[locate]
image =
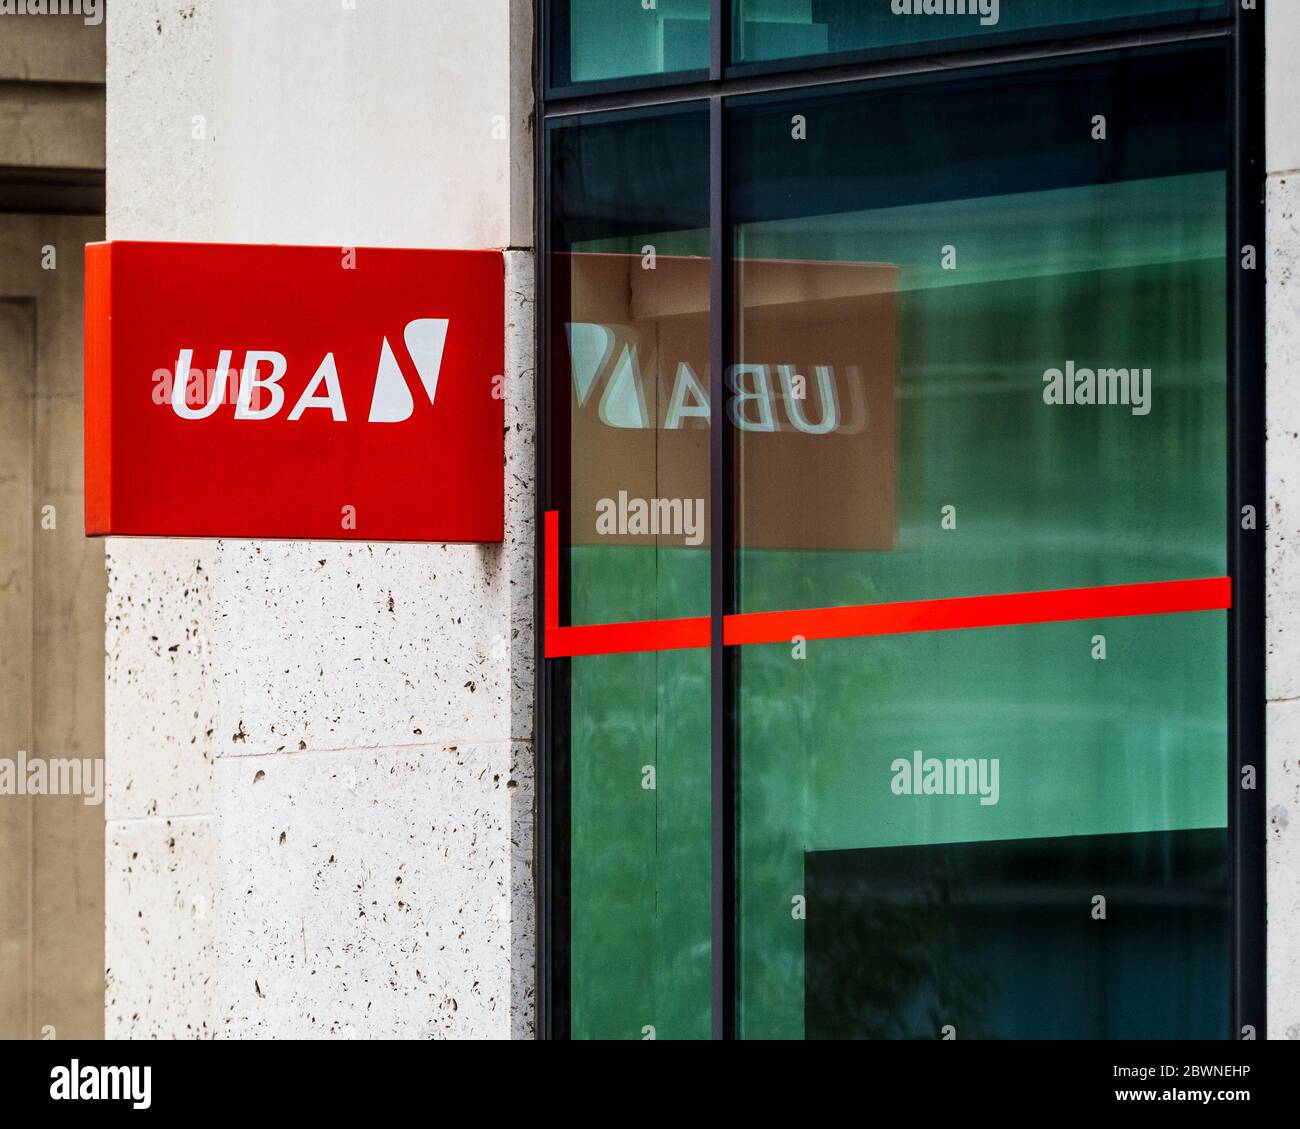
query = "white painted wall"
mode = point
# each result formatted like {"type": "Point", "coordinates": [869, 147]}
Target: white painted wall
{"type": "Point", "coordinates": [320, 754]}
{"type": "Point", "coordinates": [1283, 525]}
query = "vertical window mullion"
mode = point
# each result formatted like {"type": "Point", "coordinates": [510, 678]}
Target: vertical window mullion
{"type": "Point", "coordinates": [1248, 487]}
{"type": "Point", "coordinates": [721, 597]}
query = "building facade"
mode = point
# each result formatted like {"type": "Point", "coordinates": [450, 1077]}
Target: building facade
{"type": "Point", "coordinates": [354, 858]}
{"type": "Point", "coordinates": [624, 774]}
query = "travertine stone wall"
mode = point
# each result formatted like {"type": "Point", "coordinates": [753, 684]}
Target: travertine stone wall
{"type": "Point", "coordinates": [1283, 524]}
{"type": "Point", "coordinates": [320, 754]}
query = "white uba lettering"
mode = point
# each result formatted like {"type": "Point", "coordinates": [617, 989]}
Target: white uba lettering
{"type": "Point", "coordinates": [607, 371]}
{"type": "Point", "coordinates": [261, 394]}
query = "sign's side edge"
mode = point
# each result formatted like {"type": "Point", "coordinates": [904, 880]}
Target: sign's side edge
{"type": "Point", "coordinates": [501, 359]}
{"type": "Point", "coordinates": [98, 343]}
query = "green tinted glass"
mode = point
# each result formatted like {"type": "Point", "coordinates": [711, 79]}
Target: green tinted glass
{"type": "Point", "coordinates": [767, 30]}
{"type": "Point", "coordinates": [607, 40]}
{"type": "Point", "coordinates": [984, 353]}
{"type": "Point", "coordinates": [628, 279]}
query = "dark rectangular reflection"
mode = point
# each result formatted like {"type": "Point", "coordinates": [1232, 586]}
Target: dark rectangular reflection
{"type": "Point", "coordinates": [1002, 940]}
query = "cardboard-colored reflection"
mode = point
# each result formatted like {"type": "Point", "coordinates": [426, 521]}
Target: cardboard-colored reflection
{"type": "Point", "coordinates": [812, 399]}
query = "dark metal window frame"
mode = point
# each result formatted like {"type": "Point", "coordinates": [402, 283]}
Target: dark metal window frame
{"type": "Point", "coordinates": [557, 85]}
{"type": "Point", "coordinates": [1243, 32]}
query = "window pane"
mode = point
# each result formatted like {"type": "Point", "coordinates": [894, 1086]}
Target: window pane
{"type": "Point", "coordinates": [629, 287]}
{"type": "Point", "coordinates": [605, 40]}
{"type": "Point", "coordinates": [764, 30]}
{"type": "Point", "coordinates": [928, 820]}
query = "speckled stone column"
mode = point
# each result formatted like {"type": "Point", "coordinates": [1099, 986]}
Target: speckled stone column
{"type": "Point", "coordinates": [1283, 526]}
{"type": "Point", "coordinates": [320, 755]}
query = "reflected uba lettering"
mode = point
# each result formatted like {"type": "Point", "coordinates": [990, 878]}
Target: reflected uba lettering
{"type": "Point", "coordinates": [766, 397]}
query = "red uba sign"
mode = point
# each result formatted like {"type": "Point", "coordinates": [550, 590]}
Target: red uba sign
{"type": "Point", "coordinates": [304, 392]}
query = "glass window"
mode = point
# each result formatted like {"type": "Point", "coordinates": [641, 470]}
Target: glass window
{"type": "Point", "coordinates": [768, 30]}
{"type": "Point", "coordinates": [608, 40]}
{"type": "Point", "coordinates": [978, 357]}
{"type": "Point", "coordinates": [983, 353]}
{"type": "Point", "coordinates": [629, 293]}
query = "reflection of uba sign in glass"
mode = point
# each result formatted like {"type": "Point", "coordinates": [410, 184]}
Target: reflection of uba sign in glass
{"type": "Point", "coordinates": [308, 392]}
{"type": "Point", "coordinates": [811, 395]}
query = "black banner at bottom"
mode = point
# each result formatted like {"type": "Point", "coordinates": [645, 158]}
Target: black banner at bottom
{"type": "Point", "coordinates": [229, 1076]}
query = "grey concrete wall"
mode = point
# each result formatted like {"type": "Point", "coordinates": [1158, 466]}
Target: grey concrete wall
{"type": "Point", "coordinates": [1283, 524]}
{"type": "Point", "coordinates": [51, 578]}
{"type": "Point", "coordinates": [52, 49]}
{"type": "Point", "coordinates": [51, 638]}
{"type": "Point", "coordinates": [320, 754]}
{"type": "Point", "coordinates": [51, 93]}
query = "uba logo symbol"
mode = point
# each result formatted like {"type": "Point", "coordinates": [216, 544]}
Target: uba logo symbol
{"type": "Point", "coordinates": [362, 402]}
{"type": "Point", "coordinates": [258, 393]}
